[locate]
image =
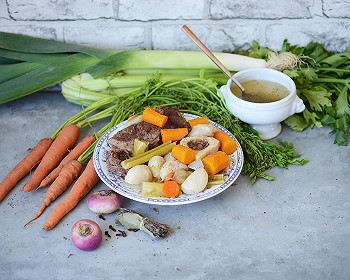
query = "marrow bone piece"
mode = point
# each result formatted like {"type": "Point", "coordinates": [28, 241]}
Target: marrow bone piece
{"type": "Point", "coordinates": [202, 145]}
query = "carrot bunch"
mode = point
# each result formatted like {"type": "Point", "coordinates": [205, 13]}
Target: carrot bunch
{"type": "Point", "coordinates": [59, 165]}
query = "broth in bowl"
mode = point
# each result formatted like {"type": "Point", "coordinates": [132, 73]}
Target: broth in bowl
{"type": "Point", "coordinates": [260, 91]}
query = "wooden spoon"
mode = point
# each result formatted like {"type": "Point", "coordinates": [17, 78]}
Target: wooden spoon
{"type": "Point", "coordinates": [194, 38]}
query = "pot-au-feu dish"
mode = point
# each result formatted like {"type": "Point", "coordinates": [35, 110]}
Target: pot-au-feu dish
{"type": "Point", "coordinates": [169, 155]}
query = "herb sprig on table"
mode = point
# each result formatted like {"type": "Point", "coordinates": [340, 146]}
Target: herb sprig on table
{"type": "Point", "coordinates": [323, 83]}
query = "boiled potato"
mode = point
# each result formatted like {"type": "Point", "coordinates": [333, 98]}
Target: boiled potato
{"type": "Point", "coordinates": [155, 164]}
{"type": "Point", "coordinates": [196, 182]}
{"type": "Point", "coordinates": [168, 157]}
{"type": "Point", "coordinates": [171, 166]}
{"type": "Point", "coordinates": [180, 176]}
{"type": "Point", "coordinates": [138, 174]}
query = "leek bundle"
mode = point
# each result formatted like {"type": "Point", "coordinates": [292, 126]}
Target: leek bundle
{"type": "Point", "coordinates": [30, 64]}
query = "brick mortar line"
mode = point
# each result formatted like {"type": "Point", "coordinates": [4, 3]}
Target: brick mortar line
{"type": "Point", "coordinates": [177, 21]}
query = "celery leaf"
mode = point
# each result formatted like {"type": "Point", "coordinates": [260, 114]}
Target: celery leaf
{"type": "Point", "coordinates": [342, 104]}
{"type": "Point", "coordinates": [318, 97]}
{"type": "Point", "coordinates": [296, 122]}
{"type": "Point", "coordinates": [312, 118]}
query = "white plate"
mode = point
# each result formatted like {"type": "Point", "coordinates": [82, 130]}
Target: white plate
{"type": "Point", "coordinates": [133, 192]}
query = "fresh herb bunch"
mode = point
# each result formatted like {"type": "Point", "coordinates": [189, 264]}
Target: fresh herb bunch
{"type": "Point", "coordinates": [322, 80]}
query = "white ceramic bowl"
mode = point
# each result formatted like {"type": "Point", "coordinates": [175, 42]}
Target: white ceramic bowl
{"type": "Point", "coordinates": [265, 118]}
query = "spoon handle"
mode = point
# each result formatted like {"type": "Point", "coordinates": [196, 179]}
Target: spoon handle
{"type": "Point", "coordinates": [198, 42]}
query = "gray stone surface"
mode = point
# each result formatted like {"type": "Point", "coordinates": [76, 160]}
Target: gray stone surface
{"type": "Point", "coordinates": [158, 9]}
{"type": "Point", "coordinates": [218, 38]}
{"type": "Point", "coordinates": [3, 9]}
{"type": "Point", "coordinates": [296, 227]}
{"type": "Point", "coordinates": [335, 36]}
{"type": "Point", "coordinates": [31, 30]}
{"type": "Point", "coordinates": [60, 9]}
{"type": "Point", "coordinates": [336, 8]}
{"type": "Point", "coordinates": [107, 36]}
{"type": "Point", "coordinates": [276, 9]}
{"type": "Point", "coordinates": [155, 24]}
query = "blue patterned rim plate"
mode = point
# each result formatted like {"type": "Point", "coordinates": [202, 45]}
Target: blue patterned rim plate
{"type": "Point", "coordinates": [133, 192]}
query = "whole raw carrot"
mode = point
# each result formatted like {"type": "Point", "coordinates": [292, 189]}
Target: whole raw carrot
{"type": "Point", "coordinates": [86, 181]}
{"type": "Point", "coordinates": [69, 172]}
{"type": "Point", "coordinates": [73, 155]}
{"type": "Point", "coordinates": [64, 141]}
{"type": "Point", "coordinates": [24, 166]}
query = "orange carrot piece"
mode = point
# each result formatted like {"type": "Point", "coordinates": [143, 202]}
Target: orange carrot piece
{"type": "Point", "coordinates": [169, 177]}
{"type": "Point", "coordinates": [227, 144]}
{"type": "Point", "coordinates": [64, 141]}
{"type": "Point", "coordinates": [202, 120]}
{"type": "Point", "coordinates": [153, 117]}
{"type": "Point", "coordinates": [170, 189]}
{"type": "Point", "coordinates": [133, 117]}
{"type": "Point", "coordinates": [69, 172]}
{"type": "Point", "coordinates": [183, 154]}
{"type": "Point", "coordinates": [86, 181]}
{"type": "Point", "coordinates": [216, 162]}
{"type": "Point", "coordinates": [73, 155]}
{"type": "Point", "coordinates": [24, 166]}
{"type": "Point", "coordinates": [173, 134]}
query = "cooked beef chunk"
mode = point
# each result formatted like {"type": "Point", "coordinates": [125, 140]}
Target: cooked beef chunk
{"type": "Point", "coordinates": [124, 139]}
{"type": "Point", "coordinates": [175, 119]}
{"type": "Point", "coordinates": [114, 159]}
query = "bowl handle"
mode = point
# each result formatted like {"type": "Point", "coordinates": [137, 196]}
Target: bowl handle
{"type": "Point", "coordinates": [298, 106]}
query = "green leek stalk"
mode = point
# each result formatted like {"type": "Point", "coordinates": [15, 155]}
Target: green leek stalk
{"type": "Point", "coordinates": [83, 89]}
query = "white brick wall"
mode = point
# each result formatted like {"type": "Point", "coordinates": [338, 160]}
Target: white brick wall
{"type": "Point", "coordinates": [229, 25]}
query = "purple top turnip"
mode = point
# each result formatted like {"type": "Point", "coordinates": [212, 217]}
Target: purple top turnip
{"type": "Point", "coordinates": [104, 202]}
{"type": "Point", "coordinates": [86, 235]}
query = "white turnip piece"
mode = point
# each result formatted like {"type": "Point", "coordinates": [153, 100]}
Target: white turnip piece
{"type": "Point", "coordinates": [196, 182]}
{"type": "Point", "coordinates": [86, 235]}
{"type": "Point", "coordinates": [104, 202]}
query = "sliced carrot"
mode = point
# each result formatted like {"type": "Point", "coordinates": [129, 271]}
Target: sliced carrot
{"type": "Point", "coordinates": [153, 117]}
{"type": "Point", "coordinates": [86, 181]}
{"type": "Point", "coordinates": [173, 134]}
{"type": "Point", "coordinates": [216, 162]}
{"type": "Point", "coordinates": [227, 144]}
{"type": "Point", "coordinates": [24, 166]}
{"type": "Point", "coordinates": [202, 120]}
{"type": "Point", "coordinates": [64, 141]}
{"type": "Point", "coordinates": [68, 173]}
{"type": "Point", "coordinates": [133, 117]}
{"type": "Point", "coordinates": [183, 154]}
{"type": "Point", "coordinates": [171, 189]}
{"type": "Point", "coordinates": [73, 155]}
{"type": "Point", "coordinates": [169, 177]}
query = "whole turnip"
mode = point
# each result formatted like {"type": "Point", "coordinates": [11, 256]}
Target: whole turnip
{"type": "Point", "coordinates": [86, 235]}
{"type": "Point", "coordinates": [104, 202]}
